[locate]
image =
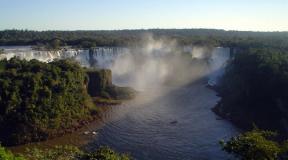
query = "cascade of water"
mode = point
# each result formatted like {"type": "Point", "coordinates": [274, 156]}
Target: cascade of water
{"type": "Point", "coordinates": [101, 57]}
{"type": "Point", "coordinates": [28, 53]}
{"type": "Point", "coordinates": [151, 61]}
{"type": "Point", "coordinates": [217, 62]}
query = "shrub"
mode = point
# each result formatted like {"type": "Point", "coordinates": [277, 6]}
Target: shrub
{"type": "Point", "coordinates": [255, 145]}
{"type": "Point", "coordinates": [7, 155]}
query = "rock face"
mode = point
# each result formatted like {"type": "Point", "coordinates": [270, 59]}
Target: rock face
{"type": "Point", "coordinates": [99, 81]}
{"type": "Point", "coordinates": [99, 84]}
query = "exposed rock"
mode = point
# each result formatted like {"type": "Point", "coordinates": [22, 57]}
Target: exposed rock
{"type": "Point", "coordinates": [98, 81]}
{"type": "Point", "coordinates": [100, 85]}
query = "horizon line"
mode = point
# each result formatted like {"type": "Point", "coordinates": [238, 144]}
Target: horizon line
{"type": "Point", "coordinates": [144, 29]}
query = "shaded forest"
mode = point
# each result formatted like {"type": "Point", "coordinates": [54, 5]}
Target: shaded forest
{"type": "Point", "coordinates": [254, 89]}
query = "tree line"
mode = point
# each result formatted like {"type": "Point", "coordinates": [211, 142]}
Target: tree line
{"type": "Point", "coordinates": [207, 37]}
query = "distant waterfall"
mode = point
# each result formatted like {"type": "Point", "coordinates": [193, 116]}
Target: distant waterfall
{"type": "Point", "coordinates": [28, 53]}
{"type": "Point", "coordinates": [139, 63]}
{"type": "Point", "coordinates": [217, 62]}
{"type": "Point", "coordinates": [101, 57]}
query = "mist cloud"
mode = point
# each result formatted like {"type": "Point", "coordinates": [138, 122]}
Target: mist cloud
{"type": "Point", "coordinates": [160, 62]}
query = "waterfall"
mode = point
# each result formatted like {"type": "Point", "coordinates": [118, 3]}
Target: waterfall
{"type": "Point", "coordinates": [142, 64]}
{"type": "Point", "coordinates": [101, 57]}
{"type": "Point", "coordinates": [217, 62]}
{"type": "Point", "coordinates": [27, 53]}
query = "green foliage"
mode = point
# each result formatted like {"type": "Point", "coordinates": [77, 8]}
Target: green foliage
{"type": "Point", "coordinates": [73, 153]}
{"type": "Point", "coordinates": [55, 44]}
{"type": "Point", "coordinates": [7, 155]}
{"type": "Point", "coordinates": [64, 153]}
{"type": "Point", "coordinates": [1, 51]}
{"type": "Point", "coordinates": [87, 44]}
{"type": "Point", "coordinates": [55, 153]}
{"type": "Point", "coordinates": [105, 153]}
{"type": "Point", "coordinates": [98, 81]}
{"type": "Point", "coordinates": [203, 37]}
{"type": "Point", "coordinates": [39, 100]}
{"type": "Point", "coordinates": [255, 86]}
{"type": "Point", "coordinates": [255, 145]}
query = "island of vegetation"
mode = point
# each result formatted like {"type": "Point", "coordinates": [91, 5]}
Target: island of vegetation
{"type": "Point", "coordinates": [43, 100]}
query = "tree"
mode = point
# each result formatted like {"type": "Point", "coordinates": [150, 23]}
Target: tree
{"type": "Point", "coordinates": [38, 100]}
{"type": "Point", "coordinates": [105, 153]}
{"type": "Point", "coordinates": [254, 87]}
{"type": "Point", "coordinates": [7, 155]}
{"type": "Point", "coordinates": [54, 153]}
{"type": "Point", "coordinates": [255, 145]}
{"type": "Point", "coordinates": [55, 44]}
{"type": "Point", "coordinates": [74, 153]}
{"type": "Point", "coordinates": [1, 51]}
{"type": "Point", "coordinates": [88, 44]}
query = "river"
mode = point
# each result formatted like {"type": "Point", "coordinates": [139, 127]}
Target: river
{"type": "Point", "coordinates": [177, 125]}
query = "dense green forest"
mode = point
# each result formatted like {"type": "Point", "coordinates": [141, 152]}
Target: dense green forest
{"type": "Point", "coordinates": [85, 39]}
{"type": "Point", "coordinates": [64, 153]}
{"type": "Point", "coordinates": [254, 89]}
{"type": "Point", "coordinates": [37, 99]}
{"type": "Point", "coordinates": [42, 100]}
{"type": "Point", "coordinates": [256, 145]}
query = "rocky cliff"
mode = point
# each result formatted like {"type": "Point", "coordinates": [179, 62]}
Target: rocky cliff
{"type": "Point", "coordinates": [99, 84]}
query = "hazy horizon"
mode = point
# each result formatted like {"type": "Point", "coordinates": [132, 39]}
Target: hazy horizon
{"type": "Point", "coordinates": [137, 29]}
{"type": "Point", "coordinates": [245, 15]}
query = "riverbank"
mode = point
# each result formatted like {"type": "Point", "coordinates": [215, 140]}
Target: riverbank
{"type": "Point", "coordinates": [102, 103]}
{"type": "Point", "coordinates": [78, 136]}
{"type": "Point", "coordinates": [235, 118]}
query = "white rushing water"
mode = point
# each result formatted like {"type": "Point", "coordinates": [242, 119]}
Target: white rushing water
{"type": "Point", "coordinates": [150, 65]}
{"type": "Point", "coordinates": [218, 61]}
{"type": "Point", "coordinates": [103, 55]}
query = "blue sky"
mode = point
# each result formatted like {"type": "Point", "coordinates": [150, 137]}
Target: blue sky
{"type": "Point", "coordinates": [257, 15]}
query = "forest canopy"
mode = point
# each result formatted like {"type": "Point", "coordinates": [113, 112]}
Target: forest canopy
{"type": "Point", "coordinates": [208, 37]}
{"type": "Point", "coordinates": [37, 99]}
{"type": "Point", "coordinates": [254, 88]}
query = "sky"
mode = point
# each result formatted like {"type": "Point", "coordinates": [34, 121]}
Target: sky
{"type": "Point", "coordinates": [244, 15]}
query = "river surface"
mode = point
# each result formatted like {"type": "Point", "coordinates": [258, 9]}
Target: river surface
{"type": "Point", "coordinates": [178, 124]}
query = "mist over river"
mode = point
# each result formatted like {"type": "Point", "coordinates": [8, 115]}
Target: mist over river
{"type": "Point", "coordinates": [176, 125]}
{"type": "Point", "coordinates": [165, 121]}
